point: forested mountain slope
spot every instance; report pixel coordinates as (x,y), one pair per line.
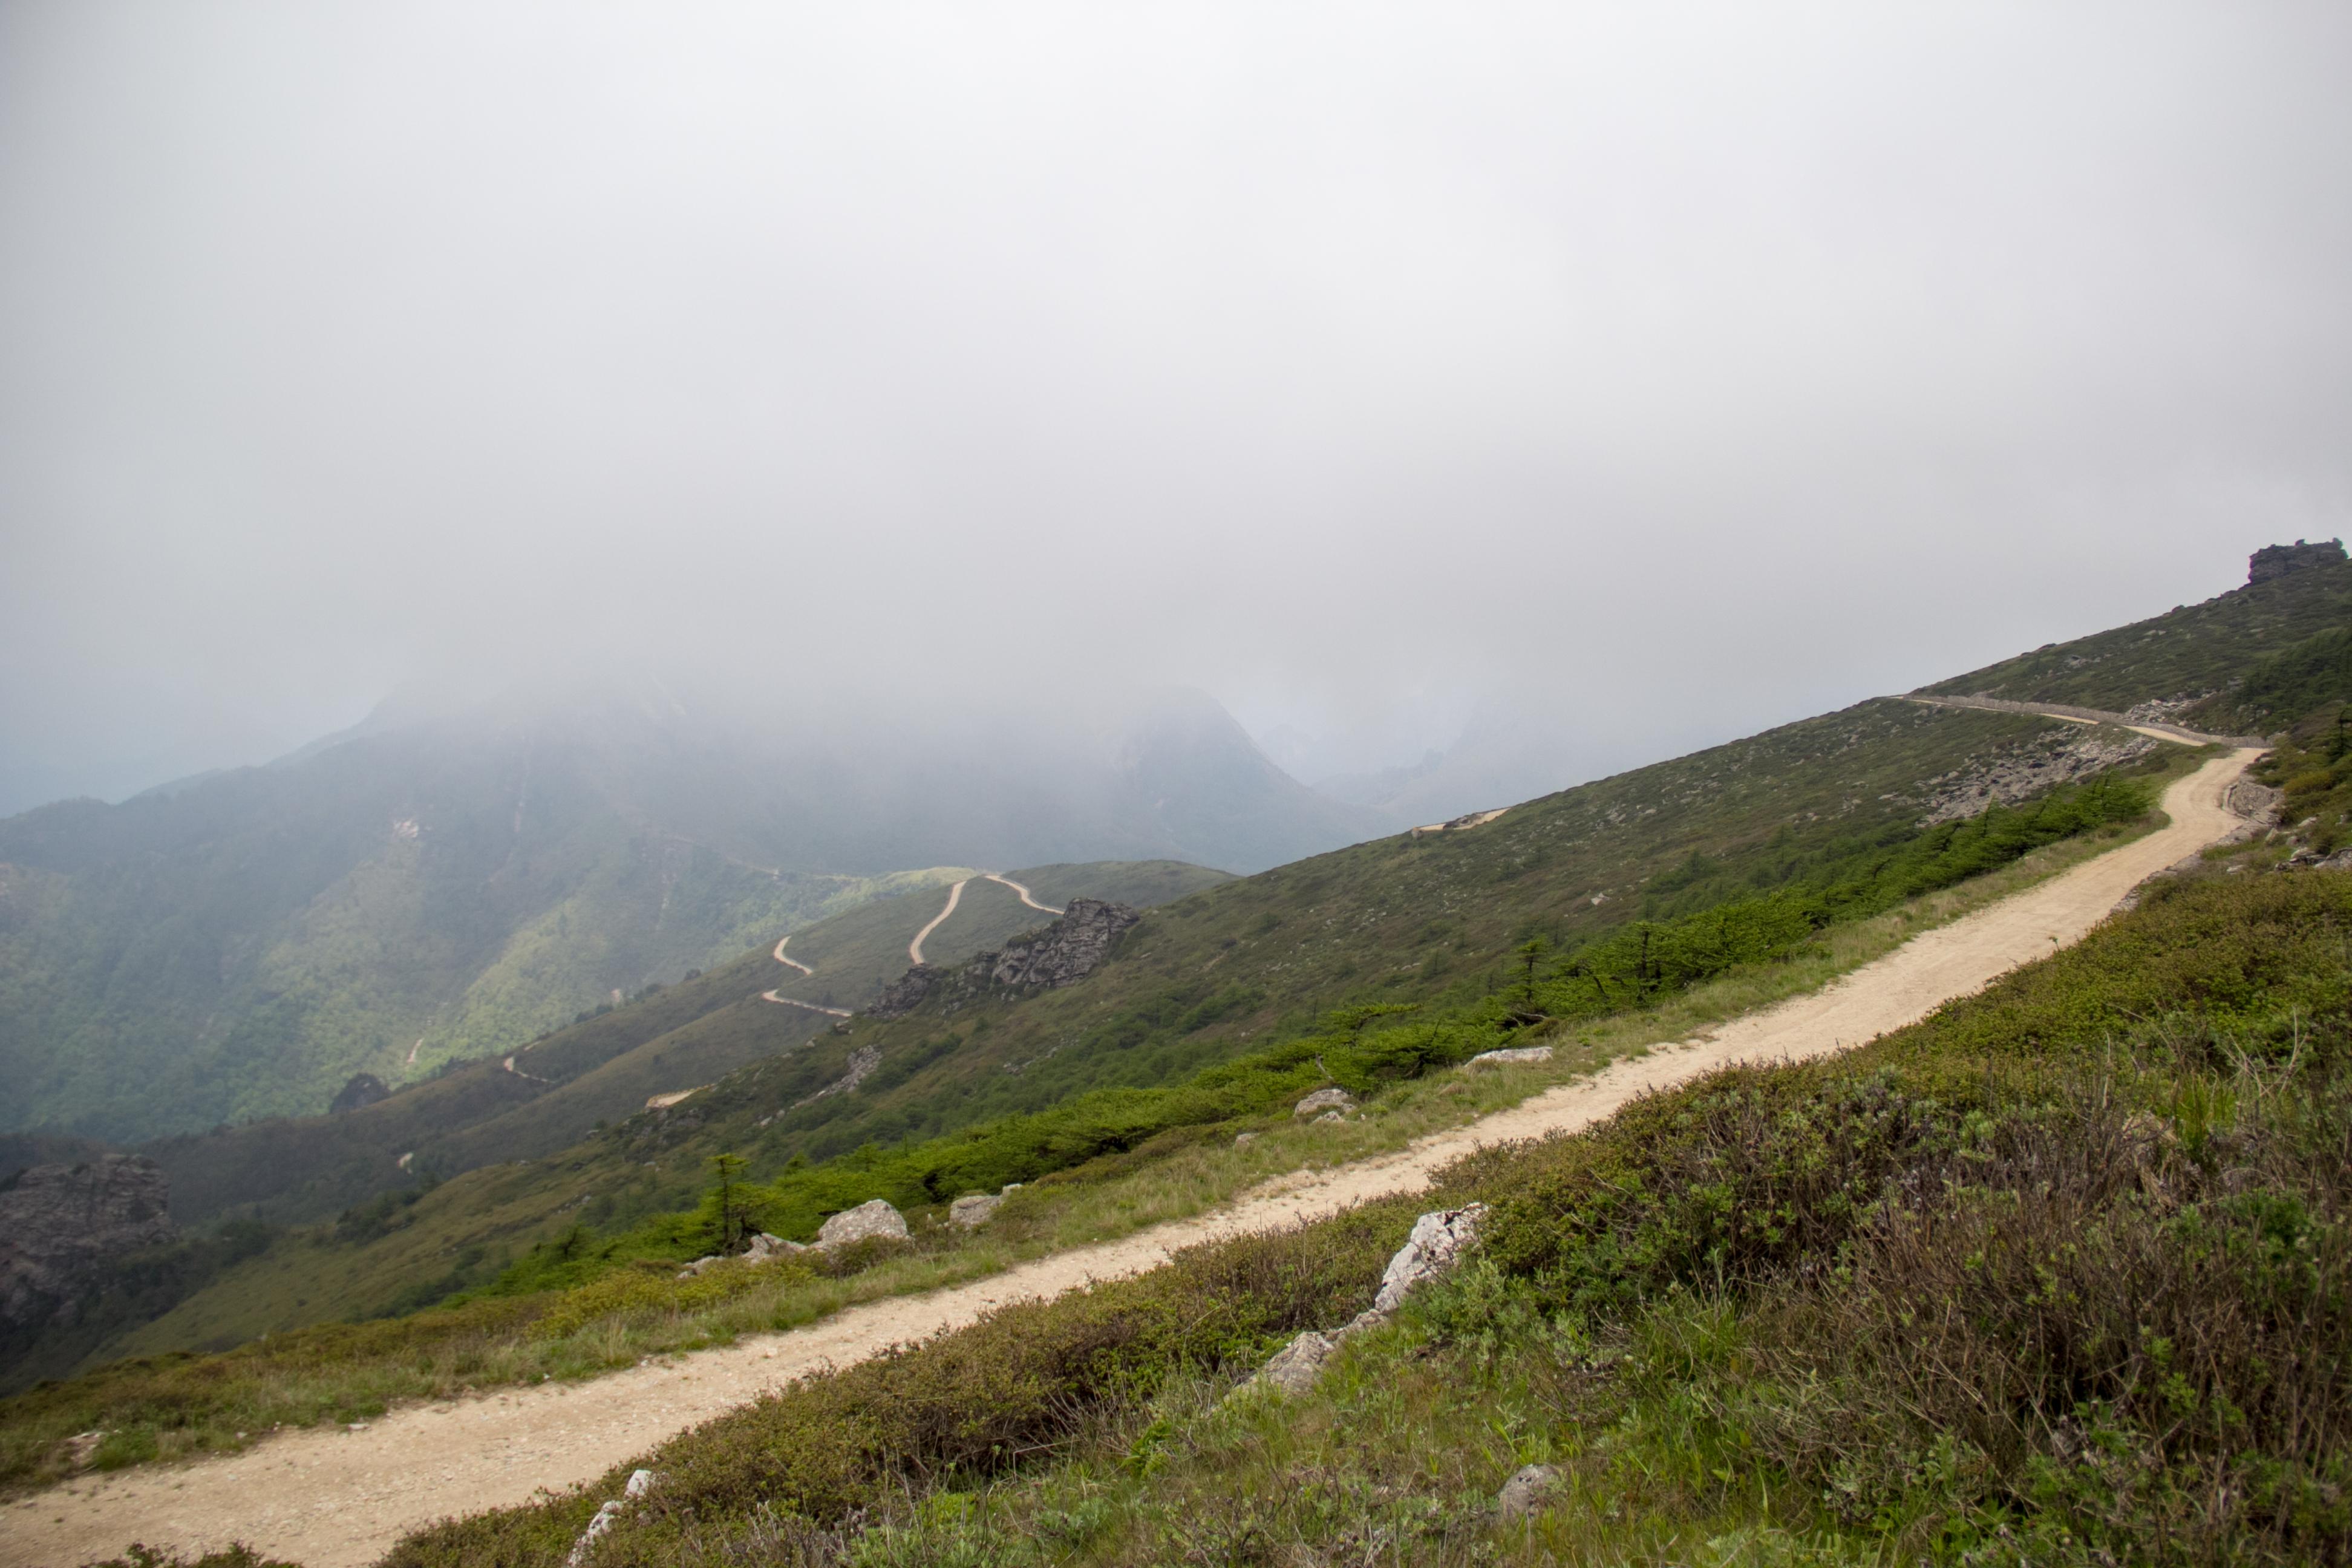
(441,885)
(556,1089)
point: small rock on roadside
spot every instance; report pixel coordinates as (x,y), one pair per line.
(1517,1054)
(875,1217)
(82,1446)
(1526,1491)
(1322,1101)
(1333,1116)
(1241,1139)
(765,1246)
(973,1209)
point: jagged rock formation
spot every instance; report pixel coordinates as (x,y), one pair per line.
(1069,949)
(61,1224)
(2278,560)
(907,993)
(364,1089)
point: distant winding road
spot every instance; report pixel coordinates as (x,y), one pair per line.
(1025,897)
(955,896)
(794,1001)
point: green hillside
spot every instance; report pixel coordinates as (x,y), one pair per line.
(442,886)
(1606,897)
(2192,653)
(379,1159)
(2055,1277)
(1433,920)
(605,1067)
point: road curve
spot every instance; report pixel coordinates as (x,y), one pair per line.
(794,963)
(339,1498)
(1026,897)
(915,948)
(811,1006)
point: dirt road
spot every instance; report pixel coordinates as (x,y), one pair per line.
(339,1499)
(1026,895)
(915,948)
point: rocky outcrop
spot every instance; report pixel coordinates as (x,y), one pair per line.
(873,1218)
(2278,560)
(1437,1244)
(1069,949)
(2029,768)
(907,993)
(61,1226)
(363,1089)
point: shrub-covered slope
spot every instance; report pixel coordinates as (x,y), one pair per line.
(2193,654)
(2060,1274)
(1104,1065)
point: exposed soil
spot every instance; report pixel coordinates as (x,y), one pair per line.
(339,1498)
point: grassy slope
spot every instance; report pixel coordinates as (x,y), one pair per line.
(679,1036)
(240,956)
(2058,1275)
(1396,920)
(2191,651)
(173,1406)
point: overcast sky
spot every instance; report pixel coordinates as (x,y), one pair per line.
(1646,374)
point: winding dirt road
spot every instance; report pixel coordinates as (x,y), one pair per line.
(339,1499)
(915,948)
(794,1001)
(1026,897)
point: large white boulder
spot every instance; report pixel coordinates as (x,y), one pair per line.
(875,1217)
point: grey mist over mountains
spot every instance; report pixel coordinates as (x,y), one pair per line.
(1551,389)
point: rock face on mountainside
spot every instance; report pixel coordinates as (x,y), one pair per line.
(2278,560)
(1067,950)
(907,993)
(61,1225)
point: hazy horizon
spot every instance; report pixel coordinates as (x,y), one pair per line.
(1600,385)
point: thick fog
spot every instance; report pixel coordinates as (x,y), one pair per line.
(1599,381)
